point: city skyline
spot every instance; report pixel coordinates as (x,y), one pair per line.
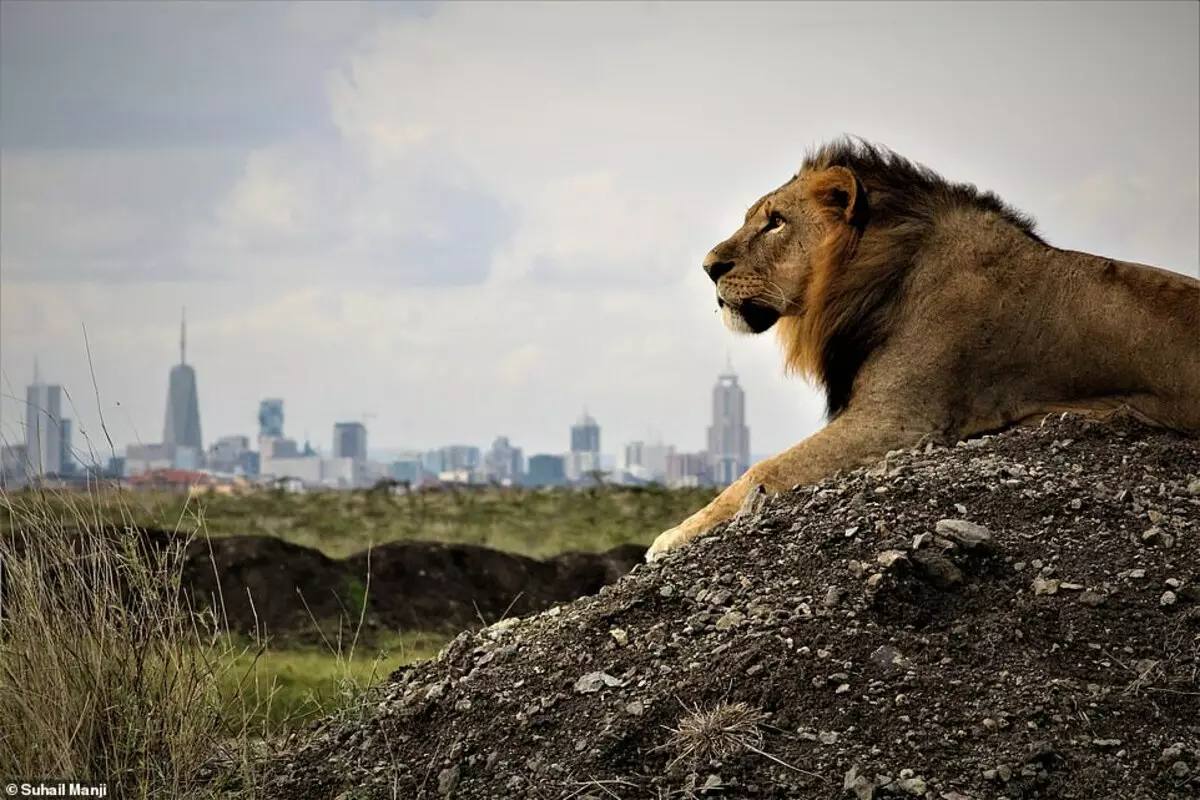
(345,238)
(351,463)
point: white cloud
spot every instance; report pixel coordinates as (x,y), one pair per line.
(495,213)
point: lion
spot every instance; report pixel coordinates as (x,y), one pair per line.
(929,310)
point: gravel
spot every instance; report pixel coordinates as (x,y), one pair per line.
(1013,617)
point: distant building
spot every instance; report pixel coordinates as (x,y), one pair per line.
(277,447)
(451,458)
(228,454)
(66,458)
(585,448)
(585,435)
(43,427)
(181,429)
(342,472)
(14,464)
(314,471)
(504,462)
(634,455)
(116,467)
(689,469)
(408,469)
(546,470)
(141,458)
(350,440)
(728,436)
(270,418)
(306,469)
(647,462)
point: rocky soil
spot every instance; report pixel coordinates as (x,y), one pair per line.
(1013,617)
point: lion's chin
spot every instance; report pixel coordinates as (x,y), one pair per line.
(749,317)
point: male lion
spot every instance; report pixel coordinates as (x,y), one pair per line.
(924,307)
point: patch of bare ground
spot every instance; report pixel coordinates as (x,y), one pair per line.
(1013,617)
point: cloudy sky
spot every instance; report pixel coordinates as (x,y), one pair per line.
(471,219)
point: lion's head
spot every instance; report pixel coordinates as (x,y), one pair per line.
(819,257)
(762,272)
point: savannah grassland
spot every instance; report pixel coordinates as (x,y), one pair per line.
(104,673)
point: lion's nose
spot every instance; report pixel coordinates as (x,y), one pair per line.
(716,269)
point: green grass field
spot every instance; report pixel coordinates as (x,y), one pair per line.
(105,675)
(532,523)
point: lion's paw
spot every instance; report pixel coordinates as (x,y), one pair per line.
(672,539)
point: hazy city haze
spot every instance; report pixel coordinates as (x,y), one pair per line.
(472,219)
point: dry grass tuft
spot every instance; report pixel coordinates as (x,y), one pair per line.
(726,730)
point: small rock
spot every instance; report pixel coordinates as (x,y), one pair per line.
(1194,487)
(967,534)
(913,786)
(753,503)
(937,569)
(888,558)
(728,620)
(860,785)
(1106,743)
(595,681)
(1168,598)
(448,780)
(827,737)
(636,708)
(833,596)
(1158,538)
(1044,586)
(1093,599)
(619,636)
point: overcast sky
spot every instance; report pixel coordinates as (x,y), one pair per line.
(472,219)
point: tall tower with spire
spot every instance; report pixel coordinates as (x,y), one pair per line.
(728,436)
(181,431)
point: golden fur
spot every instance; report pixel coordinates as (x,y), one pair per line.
(928,308)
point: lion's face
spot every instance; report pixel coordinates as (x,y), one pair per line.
(761,272)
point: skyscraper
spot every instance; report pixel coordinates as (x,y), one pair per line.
(181,431)
(43,426)
(350,440)
(270,417)
(504,461)
(728,436)
(585,448)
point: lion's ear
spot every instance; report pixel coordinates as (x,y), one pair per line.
(839,191)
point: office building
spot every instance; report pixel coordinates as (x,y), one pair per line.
(728,436)
(350,440)
(504,461)
(181,430)
(43,427)
(585,448)
(66,459)
(689,470)
(546,470)
(270,418)
(228,454)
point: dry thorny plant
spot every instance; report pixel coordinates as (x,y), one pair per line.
(724,731)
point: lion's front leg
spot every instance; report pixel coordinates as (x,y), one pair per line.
(722,507)
(853,440)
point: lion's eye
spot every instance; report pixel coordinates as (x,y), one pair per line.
(774,220)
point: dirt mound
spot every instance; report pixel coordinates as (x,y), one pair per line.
(433,586)
(264,585)
(1015,617)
